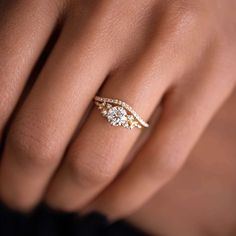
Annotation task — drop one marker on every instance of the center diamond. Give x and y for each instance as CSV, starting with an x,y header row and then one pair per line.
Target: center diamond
x,y
117,116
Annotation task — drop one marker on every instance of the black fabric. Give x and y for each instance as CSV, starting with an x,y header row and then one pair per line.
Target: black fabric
x,y
44,221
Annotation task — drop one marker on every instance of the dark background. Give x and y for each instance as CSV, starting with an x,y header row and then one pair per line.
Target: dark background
x,y
44,221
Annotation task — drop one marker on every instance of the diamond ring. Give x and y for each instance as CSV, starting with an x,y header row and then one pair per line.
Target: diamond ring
x,y
119,113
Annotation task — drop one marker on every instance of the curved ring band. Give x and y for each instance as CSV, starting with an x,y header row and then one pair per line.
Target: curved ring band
x,y
116,112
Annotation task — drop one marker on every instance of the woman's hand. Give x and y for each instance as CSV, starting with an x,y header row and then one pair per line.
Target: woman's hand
x,y
178,55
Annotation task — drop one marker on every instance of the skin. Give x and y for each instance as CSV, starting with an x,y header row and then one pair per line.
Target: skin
x,y
173,61
204,190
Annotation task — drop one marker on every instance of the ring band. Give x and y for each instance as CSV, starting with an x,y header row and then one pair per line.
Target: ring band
x,y
119,113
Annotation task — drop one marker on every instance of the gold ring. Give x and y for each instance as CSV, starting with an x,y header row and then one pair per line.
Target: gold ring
x,y
119,113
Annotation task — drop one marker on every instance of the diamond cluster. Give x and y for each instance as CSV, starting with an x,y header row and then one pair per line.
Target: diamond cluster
x,y
117,115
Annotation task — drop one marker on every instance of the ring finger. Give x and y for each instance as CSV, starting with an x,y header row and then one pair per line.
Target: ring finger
x,y
97,154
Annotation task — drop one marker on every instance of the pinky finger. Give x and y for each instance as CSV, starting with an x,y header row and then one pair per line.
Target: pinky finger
x,y
181,124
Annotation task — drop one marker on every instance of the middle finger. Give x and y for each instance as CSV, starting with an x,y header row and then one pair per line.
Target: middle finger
x,y
97,154
46,122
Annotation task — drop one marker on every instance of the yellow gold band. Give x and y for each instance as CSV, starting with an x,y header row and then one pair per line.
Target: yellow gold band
x,y
115,111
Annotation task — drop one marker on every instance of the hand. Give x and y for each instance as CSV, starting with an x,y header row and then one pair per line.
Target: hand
x,y
175,55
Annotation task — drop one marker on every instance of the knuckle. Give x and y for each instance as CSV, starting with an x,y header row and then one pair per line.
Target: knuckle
x,y
31,147
184,13
163,167
19,203
64,208
90,170
60,206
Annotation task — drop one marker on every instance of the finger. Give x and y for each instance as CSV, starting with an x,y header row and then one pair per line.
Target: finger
x,y
97,154
51,113
166,150
25,29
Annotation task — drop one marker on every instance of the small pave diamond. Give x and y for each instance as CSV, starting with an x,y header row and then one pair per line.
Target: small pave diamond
x,y
117,115
104,112
108,105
